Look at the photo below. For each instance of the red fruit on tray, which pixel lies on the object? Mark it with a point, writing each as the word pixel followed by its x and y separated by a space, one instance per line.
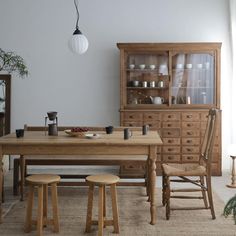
pixel 79 129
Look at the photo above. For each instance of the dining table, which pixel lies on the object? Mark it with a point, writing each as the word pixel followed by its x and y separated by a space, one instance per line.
pixel 39 143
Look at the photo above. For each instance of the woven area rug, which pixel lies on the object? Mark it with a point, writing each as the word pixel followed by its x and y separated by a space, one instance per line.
pixel 134 216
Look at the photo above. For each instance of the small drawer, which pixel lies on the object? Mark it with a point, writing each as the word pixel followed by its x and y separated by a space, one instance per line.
pixel 190 149
pixel 204 116
pixel 190 125
pixel 171 149
pixel 151 116
pixel 133 116
pixel 172 141
pixel 170 133
pixel 191 141
pixel 158 150
pixel 158 157
pixel 133 124
pixel 190 133
pixel 152 124
pixel 171 116
pixel 171 158
pixel 170 124
pixel 190 116
pixel 190 158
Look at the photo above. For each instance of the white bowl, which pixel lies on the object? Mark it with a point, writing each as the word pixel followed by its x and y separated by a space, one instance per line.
pixel 142 66
pixel 179 66
pixel 199 66
pixel 131 66
pixel 152 67
pixel 189 66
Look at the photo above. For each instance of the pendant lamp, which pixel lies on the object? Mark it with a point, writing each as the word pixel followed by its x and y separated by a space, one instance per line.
pixel 78 43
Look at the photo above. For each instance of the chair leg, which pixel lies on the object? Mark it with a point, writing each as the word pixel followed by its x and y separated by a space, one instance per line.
pixel 163 190
pixel 104 203
pixel 202 181
pixel 115 209
pixel 40 211
pixel 3 192
pixel 89 209
pixel 16 177
pixel 210 199
pixel 167 197
pixel 22 180
pixel 30 202
pixel 100 211
pixel 55 207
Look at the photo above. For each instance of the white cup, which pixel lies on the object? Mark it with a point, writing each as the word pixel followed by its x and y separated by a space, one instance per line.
pixel 189 66
pixel 152 67
pixel 142 66
pixel 131 66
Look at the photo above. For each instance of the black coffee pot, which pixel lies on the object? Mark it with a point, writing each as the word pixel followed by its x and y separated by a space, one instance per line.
pixel 52 127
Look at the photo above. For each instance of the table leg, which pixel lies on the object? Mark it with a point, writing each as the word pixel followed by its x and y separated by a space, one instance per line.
pixel 152 168
pixel 22 176
pixel 1 182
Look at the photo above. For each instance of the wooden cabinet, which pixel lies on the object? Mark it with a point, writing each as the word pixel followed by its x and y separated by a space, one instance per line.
pixel 171 87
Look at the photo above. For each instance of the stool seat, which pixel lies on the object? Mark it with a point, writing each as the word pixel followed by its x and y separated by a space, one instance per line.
pixel 103 179
pixel 43 179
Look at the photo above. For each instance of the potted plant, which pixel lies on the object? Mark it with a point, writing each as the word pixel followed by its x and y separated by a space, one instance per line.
pixel 230 208
pixel 12 63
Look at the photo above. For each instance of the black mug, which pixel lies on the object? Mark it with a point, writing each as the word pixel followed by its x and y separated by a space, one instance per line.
pixel 127 133
pixel 19 133
pixel 145 129
pixel 109 129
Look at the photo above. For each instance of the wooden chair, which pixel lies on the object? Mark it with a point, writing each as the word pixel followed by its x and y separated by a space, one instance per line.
pixel 42 181
pixel 201 171
pixel 102 181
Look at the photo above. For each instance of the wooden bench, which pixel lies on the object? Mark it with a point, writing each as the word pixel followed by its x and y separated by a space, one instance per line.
pixel 41 160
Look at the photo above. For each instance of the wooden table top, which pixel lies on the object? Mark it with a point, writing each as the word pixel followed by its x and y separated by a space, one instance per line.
pixel 116 138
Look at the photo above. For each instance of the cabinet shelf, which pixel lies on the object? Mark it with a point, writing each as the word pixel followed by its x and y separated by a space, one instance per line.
pixel 147 88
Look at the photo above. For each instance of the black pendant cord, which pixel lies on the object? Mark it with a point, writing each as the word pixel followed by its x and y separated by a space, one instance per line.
pixel 77 11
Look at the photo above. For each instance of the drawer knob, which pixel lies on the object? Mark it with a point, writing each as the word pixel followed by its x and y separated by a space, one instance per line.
pixel 189 125
pixel 170 149
pixel 130 125
pixel 169 141
pixel 169 116
pixel 189 116
pixel 189 133
pixel 169 125
pixel 170 157
pixel 189 157
pixel 169 133
pixel 131 117
pixel 189 141
pixel 149 116
pixel 189 149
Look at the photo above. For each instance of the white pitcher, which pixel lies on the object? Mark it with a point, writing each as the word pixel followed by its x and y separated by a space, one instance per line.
pixel 157 100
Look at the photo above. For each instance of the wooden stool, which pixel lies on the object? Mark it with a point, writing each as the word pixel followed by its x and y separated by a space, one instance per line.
pixel 42 181
pixel 101 181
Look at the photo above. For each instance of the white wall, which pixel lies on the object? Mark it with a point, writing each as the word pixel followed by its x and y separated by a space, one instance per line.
pixel 85 89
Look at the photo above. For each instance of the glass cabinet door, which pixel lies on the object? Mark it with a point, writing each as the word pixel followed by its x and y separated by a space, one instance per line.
pixel 147 79
pixel 193 78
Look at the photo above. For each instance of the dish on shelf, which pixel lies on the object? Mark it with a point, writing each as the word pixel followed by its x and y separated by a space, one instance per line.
pixel 92 136
pixel 75 134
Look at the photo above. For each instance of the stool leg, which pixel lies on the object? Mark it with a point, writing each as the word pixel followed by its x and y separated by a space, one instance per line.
pixel 28 218
pixel 115 209
pixel 55 207
pixel 45 203
pixel 100 211
pixel 104 202
pixel 40 211
pixel 89 209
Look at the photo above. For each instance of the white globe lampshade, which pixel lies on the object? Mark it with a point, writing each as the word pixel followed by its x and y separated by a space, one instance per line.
pixel 78 43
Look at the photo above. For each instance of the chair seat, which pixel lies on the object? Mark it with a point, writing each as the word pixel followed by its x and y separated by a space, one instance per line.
pixel 103 179
pixel 43 179
pixel 184 169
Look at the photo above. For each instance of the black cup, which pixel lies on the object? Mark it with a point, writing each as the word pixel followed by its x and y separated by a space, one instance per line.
pixel 109 129
pixel 145 129
pixel 19 133
pixel 127 133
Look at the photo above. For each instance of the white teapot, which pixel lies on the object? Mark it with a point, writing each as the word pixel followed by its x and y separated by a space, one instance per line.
pixel 157 100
